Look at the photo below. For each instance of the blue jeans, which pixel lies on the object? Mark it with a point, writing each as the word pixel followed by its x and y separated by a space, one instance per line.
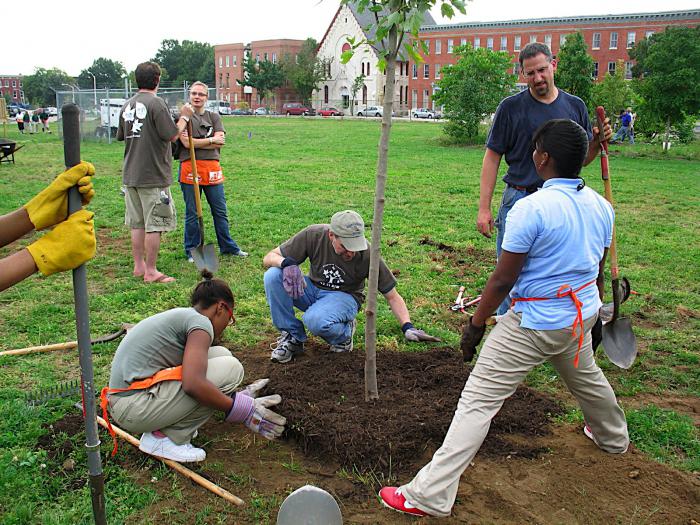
pixel 510 197
pixel 624 132
pixel 327 313
pixel 217 203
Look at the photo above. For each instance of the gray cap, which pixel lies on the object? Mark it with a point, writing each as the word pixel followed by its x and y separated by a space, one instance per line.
pixel 349 227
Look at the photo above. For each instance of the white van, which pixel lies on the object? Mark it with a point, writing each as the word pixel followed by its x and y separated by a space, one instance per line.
pixel 219 106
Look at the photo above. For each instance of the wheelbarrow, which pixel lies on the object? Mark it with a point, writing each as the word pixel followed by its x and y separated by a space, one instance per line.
pixel 7 150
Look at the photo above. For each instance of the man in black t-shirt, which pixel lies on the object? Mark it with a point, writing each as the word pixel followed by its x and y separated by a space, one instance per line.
pixel 331 295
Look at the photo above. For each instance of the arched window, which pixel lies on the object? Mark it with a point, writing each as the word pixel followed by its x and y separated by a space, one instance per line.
pixel 325 94
pixel 364 94
pixel 346 47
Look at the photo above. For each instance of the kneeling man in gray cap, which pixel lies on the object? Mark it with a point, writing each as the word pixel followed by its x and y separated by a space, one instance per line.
pixel 331 295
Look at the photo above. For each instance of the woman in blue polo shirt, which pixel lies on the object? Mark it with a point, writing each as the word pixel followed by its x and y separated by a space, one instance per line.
pixel 552 263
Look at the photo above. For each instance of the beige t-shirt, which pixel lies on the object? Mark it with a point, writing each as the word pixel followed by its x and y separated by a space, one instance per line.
pixel 147 127
pixel 329 270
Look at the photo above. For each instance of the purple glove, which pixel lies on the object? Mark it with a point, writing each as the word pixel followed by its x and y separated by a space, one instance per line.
pixel 293 281
pixel 256 416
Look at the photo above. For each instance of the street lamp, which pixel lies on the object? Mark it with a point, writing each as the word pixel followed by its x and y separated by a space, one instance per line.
pixel 94 85
pixel 72 87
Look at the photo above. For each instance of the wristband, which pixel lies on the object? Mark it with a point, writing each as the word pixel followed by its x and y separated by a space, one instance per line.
pixel 288 261
pixel 211 141
pixel 406 327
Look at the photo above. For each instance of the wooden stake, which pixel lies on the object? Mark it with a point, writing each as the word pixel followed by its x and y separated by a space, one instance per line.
pixel 212 487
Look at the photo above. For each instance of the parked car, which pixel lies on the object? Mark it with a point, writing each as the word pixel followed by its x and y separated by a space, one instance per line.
pixel 295 108
pixel 241 111
pixel 51 111
pixel 330 112
pixel 425 113
pixel 373 111
pixel 219 106
pixel 263 111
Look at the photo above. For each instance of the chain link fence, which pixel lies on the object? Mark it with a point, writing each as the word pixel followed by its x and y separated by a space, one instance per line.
pixel 100 109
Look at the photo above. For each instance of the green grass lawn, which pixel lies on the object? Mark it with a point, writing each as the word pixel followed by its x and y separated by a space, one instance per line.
pixel 283 174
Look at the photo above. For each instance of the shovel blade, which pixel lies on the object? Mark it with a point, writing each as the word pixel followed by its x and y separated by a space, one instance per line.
pixel 619 342
pixel 205 257
pixel 311 506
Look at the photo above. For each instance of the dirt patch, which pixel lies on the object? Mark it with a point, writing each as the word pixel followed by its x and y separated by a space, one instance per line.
pixel 327 415
pixel 464 264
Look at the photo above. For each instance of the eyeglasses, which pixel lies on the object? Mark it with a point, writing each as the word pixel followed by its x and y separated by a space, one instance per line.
pixel 232 319
pixel 196 94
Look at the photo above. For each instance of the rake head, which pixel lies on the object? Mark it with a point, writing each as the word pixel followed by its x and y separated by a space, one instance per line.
pixel 57 391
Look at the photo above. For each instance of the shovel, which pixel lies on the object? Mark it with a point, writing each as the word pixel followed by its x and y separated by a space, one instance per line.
pixel 204 255
pixel 619 342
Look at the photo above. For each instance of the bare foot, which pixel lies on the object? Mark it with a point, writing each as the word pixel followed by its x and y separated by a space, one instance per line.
pixel 161 278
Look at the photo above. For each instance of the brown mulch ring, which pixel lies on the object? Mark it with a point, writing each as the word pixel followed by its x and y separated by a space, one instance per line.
pixel 324 402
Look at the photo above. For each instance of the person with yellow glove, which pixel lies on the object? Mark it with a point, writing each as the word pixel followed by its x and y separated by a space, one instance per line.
pixel 67 246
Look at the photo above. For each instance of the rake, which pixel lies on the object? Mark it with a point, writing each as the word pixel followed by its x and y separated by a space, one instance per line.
pixel 61 390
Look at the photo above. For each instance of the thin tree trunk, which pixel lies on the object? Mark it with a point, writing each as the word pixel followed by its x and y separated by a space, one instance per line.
pixel 371 390
pixel 667 142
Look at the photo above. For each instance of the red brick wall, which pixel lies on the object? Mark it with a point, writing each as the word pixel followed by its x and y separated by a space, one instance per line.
pixel 540 29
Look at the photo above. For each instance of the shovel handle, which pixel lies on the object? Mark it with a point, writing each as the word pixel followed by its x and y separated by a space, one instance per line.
pixel 195 176
pixel 605 174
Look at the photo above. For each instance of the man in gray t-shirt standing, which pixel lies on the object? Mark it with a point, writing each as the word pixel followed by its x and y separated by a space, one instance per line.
pixel 331 295
pixel 147 128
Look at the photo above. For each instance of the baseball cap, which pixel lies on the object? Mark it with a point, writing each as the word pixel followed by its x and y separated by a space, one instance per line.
pixel 349 227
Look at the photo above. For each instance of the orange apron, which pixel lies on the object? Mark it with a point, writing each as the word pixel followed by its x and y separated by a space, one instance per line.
pixel 566 291
pixel 168 374
pixel 209 172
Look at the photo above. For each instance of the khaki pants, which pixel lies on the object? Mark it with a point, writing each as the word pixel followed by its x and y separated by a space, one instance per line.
pixel 167 408
pixel 507 356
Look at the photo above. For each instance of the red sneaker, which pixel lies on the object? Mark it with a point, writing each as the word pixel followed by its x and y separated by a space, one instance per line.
pixel 392 498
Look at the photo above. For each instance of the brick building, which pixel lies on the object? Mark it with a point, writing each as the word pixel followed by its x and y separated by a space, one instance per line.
pixel 11 85
pixel 608 37
pixel 229 60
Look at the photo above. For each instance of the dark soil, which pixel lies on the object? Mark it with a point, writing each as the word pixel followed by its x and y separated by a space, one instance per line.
pixel 327 415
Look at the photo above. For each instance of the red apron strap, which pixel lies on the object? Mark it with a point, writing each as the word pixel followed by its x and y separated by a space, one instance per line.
pixel 168 374
pixel 565 291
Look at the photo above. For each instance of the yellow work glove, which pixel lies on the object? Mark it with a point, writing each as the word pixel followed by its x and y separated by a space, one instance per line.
pixel 67 246
pixel 50 206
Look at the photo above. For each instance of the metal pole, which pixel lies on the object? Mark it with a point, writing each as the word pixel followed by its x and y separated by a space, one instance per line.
pixel 71 153
pixel 109 118
pixel 94 86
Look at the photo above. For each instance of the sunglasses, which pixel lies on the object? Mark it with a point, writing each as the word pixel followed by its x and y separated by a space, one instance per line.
pixel 232 319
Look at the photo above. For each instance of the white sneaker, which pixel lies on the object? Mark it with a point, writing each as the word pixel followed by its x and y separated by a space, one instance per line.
pixel 345 346
pixel 166 448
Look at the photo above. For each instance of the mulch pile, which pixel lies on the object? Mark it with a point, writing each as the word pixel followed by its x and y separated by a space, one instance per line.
pixel 323 400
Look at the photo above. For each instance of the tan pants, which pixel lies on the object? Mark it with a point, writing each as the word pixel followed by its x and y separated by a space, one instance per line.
pixel 508 354
pixel 167 408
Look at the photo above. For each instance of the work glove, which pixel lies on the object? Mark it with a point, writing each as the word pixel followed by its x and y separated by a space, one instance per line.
pixel 293 281
pixel 597 333
pixel 256 416
pixel 471 337
pixel 50 206
pixel 67 246
pixel 411 333
pixel 253 389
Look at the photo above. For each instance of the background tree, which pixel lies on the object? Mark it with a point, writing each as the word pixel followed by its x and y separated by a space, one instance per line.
pixel 668 68
pixel 185 62
pixel 305 71
pixel 41 86
pixel 471 89
pixel 264 76
pixel 575 67
pixel 393 19
pixel 356 86
pixel 613 93
pixel 108 73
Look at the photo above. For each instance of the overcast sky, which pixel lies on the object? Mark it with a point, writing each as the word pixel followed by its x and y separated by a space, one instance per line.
pixel 70 35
